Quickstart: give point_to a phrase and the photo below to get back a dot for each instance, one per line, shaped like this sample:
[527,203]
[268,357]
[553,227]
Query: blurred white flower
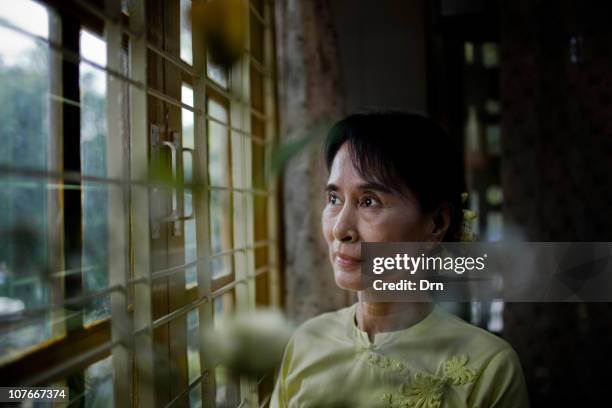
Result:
[250,343]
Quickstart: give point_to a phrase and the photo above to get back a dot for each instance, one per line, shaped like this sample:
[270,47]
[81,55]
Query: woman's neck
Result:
[385,317]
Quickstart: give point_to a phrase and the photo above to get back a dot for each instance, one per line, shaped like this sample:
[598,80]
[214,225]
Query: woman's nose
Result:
[345,229]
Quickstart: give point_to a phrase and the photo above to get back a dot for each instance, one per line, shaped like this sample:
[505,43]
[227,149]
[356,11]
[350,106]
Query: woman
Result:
[393,177]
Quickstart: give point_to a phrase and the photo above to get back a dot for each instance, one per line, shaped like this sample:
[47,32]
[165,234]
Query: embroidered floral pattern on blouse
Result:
[457,372]
[387,363]
[424,390]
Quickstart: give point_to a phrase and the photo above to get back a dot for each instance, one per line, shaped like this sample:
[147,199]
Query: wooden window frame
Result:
[102,338]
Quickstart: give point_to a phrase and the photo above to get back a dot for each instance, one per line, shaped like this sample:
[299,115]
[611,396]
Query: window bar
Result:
[111,19]
[77,179]
[259,17]
[117,210]
[71,133]
[56,371]
[201,198]
[177,62]
[139,197]
[185,392]
[55,246]
[270,129]
[241,118]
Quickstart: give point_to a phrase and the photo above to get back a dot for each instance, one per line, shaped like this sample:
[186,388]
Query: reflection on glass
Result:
[92,83]
[496,319]
[493,134]
[256,38]
[468,52]
[223,306]
[492,106]
[195,397]
[24,133]
[472,128]
[187,118]
[257,95]
[220,231]
[226,385]
[494,195]
[216,72]
[495,224]
[475,206]
[490,55]
[186,48]
[191,273]
[193,348]
[259,152]
[218,145]
[99,384]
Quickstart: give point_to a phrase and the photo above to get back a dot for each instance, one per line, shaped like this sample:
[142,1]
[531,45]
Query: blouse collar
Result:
[361,337]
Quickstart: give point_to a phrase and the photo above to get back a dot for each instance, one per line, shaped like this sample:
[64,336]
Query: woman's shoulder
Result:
[466,336]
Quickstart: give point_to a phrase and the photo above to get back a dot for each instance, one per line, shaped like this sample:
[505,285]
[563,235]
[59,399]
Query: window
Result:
[25,104]
[135,206]
[92,85]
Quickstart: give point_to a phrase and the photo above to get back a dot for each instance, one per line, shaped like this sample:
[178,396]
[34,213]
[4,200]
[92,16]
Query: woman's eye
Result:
[333,199]
[369,202]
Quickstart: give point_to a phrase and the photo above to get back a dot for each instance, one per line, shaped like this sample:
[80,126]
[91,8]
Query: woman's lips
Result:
[346,261]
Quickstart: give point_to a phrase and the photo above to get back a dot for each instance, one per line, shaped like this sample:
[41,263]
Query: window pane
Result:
[186,48]
[218,145]
[256,38]
[258,150]
[99,384]
[92,83]
[191,254]
[220,231]
[226,384]
[193,349]
[25,71]
[216,72]
[187,120]
[257,96]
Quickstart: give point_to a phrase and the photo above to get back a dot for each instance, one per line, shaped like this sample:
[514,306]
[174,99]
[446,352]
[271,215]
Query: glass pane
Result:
[223,306]
[193,348]
[216,72]
[220,230]
[259,153]
[92,83]
[99,384]
[493,135]
[262,294]
[495,225]
[219,167]
[191,254]
[257,97]
[195,397]
[256,38]
[187,118]
[25,71]
[186,48]
[490,55]
[226,384]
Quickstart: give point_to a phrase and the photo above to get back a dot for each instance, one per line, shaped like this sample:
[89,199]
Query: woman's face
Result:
[359,210]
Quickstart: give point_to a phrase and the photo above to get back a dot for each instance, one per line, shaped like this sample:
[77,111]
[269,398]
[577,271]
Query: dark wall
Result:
[556,91]
[381,49]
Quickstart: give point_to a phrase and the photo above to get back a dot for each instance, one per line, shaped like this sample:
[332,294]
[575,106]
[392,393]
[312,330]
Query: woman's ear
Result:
[440,220]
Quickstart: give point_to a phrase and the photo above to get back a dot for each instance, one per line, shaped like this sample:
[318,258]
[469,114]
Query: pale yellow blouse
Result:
[441,361]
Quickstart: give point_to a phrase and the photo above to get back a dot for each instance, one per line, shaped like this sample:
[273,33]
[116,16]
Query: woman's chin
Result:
[348,280]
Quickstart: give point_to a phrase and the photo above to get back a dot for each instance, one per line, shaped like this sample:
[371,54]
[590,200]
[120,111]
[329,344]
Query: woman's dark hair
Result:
[402,150]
